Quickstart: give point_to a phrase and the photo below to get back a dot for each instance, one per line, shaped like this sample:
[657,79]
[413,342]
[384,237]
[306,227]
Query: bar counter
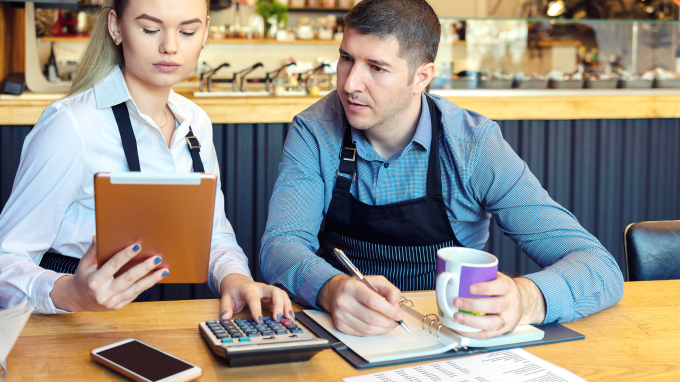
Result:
[499,105]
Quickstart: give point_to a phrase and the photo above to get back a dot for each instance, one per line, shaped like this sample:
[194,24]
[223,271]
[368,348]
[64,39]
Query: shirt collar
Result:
[422,136]
[113,90]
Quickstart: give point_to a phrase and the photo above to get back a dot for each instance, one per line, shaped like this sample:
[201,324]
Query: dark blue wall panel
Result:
[608,173]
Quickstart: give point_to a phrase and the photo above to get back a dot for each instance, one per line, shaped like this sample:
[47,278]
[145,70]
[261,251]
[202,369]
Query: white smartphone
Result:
[144,363]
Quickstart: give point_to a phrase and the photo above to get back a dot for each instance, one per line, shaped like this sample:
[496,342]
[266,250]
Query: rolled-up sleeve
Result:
[287,257]
[579,276]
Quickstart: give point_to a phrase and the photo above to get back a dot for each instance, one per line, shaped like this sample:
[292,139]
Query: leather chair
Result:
[652,250]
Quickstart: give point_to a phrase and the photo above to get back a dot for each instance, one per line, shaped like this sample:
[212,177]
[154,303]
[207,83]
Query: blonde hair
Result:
[101,53]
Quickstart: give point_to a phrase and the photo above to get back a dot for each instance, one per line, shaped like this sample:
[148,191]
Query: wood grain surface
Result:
[283,109]
[635,340]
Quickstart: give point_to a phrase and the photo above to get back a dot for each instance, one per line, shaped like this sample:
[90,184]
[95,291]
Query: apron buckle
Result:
[354,154]
[354,176]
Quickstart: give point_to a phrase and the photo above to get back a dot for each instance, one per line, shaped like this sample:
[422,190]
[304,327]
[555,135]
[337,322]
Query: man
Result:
[416,173]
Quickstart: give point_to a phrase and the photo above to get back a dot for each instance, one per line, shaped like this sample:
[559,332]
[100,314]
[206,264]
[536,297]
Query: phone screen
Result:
[145,361]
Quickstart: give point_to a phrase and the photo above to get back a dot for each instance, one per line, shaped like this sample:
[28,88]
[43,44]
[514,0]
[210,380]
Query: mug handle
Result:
[442,280]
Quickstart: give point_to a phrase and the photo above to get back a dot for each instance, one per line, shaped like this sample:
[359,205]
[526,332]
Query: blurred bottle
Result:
[237,23]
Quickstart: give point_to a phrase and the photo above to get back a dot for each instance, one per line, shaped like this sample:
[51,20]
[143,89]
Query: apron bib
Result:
[399,240]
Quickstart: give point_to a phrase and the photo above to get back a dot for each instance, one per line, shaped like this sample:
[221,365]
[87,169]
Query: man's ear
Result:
[422,77]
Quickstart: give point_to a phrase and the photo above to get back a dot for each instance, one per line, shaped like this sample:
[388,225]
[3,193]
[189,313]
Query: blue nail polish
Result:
[224,315]
[166,273]
[158,260]
[280,317]
[136,248]
[259,319]
[291,313]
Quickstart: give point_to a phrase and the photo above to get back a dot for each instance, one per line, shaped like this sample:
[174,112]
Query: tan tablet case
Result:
[170,215]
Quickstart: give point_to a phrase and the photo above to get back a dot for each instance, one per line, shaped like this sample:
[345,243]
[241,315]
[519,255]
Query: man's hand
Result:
[237,290]
[518,301]
[356,309]
[97,290]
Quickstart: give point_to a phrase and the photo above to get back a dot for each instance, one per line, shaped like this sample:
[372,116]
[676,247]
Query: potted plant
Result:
[269,8]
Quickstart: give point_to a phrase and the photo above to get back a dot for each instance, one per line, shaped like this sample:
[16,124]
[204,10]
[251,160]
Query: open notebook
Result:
[428,336]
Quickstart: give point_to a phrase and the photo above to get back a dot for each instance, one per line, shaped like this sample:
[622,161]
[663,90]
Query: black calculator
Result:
[244,342]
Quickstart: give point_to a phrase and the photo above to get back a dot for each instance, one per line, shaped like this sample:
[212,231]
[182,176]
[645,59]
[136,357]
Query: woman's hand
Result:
[237,290]
[92,289]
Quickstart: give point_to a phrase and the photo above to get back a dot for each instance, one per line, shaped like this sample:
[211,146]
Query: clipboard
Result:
[170,215]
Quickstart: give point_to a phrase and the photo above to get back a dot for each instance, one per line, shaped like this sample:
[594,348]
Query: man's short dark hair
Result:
[412,22]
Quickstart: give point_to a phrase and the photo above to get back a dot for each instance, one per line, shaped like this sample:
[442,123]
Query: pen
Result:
[355,272]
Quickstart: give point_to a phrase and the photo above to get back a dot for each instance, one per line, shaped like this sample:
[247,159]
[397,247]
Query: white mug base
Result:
[455,325]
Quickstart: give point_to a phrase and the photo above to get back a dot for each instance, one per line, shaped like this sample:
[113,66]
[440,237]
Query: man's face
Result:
[372,80]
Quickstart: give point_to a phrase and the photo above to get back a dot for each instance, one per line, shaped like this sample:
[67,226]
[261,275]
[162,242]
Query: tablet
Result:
[170,215]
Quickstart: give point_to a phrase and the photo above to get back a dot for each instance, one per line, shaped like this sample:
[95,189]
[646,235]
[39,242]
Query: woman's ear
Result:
[207,28]
[114,28]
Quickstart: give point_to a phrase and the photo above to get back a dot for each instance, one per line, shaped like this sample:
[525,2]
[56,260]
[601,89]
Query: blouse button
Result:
[387,165]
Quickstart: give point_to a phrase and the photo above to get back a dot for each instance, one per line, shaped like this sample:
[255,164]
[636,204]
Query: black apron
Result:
[65,264]
[399,240]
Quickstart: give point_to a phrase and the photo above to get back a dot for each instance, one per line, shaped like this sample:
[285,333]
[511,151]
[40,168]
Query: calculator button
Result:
[244,339]
[237,335]
[298,330]
[250,331]
[220,336]
[291,326]
[211,322]
[234,331]
[227,340]
[281,332]
[267,333]
[253,334]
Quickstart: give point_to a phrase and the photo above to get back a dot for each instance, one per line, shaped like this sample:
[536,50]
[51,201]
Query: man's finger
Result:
[489,323]
[359,327]
[375,302]
[367,312]
[482,305]
[385,288]
[501,286]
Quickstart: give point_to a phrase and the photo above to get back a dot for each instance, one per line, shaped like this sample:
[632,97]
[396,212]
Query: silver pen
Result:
[357,274]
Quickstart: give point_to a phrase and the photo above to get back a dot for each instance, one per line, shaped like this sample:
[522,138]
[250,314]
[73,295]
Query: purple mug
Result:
[457,269]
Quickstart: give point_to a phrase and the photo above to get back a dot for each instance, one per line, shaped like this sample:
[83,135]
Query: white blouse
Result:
[51,207]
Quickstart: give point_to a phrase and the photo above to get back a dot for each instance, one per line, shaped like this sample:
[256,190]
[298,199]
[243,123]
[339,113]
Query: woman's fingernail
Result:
[279,317]
[224,316]
[474,289]
[291,314]
[259,319]
[136,248]
[166,273]
[158,260]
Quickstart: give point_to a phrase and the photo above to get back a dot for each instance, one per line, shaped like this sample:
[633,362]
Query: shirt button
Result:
[387,165]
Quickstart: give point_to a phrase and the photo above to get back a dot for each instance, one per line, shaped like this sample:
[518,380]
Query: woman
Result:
[138,51]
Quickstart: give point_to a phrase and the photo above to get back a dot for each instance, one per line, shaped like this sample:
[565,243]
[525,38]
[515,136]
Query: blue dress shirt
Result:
[481,177]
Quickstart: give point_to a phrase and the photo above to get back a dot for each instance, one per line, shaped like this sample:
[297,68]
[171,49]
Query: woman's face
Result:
[161,39]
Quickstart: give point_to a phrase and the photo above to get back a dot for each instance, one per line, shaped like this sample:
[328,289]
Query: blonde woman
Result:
[120,102]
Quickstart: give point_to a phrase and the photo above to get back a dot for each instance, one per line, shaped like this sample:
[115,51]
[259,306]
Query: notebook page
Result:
[516,365]
[394,345]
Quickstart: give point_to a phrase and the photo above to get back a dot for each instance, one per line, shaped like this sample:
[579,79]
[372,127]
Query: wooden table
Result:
[637,339]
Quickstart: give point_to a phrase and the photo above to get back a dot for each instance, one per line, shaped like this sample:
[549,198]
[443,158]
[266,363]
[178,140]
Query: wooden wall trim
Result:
[283,109]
